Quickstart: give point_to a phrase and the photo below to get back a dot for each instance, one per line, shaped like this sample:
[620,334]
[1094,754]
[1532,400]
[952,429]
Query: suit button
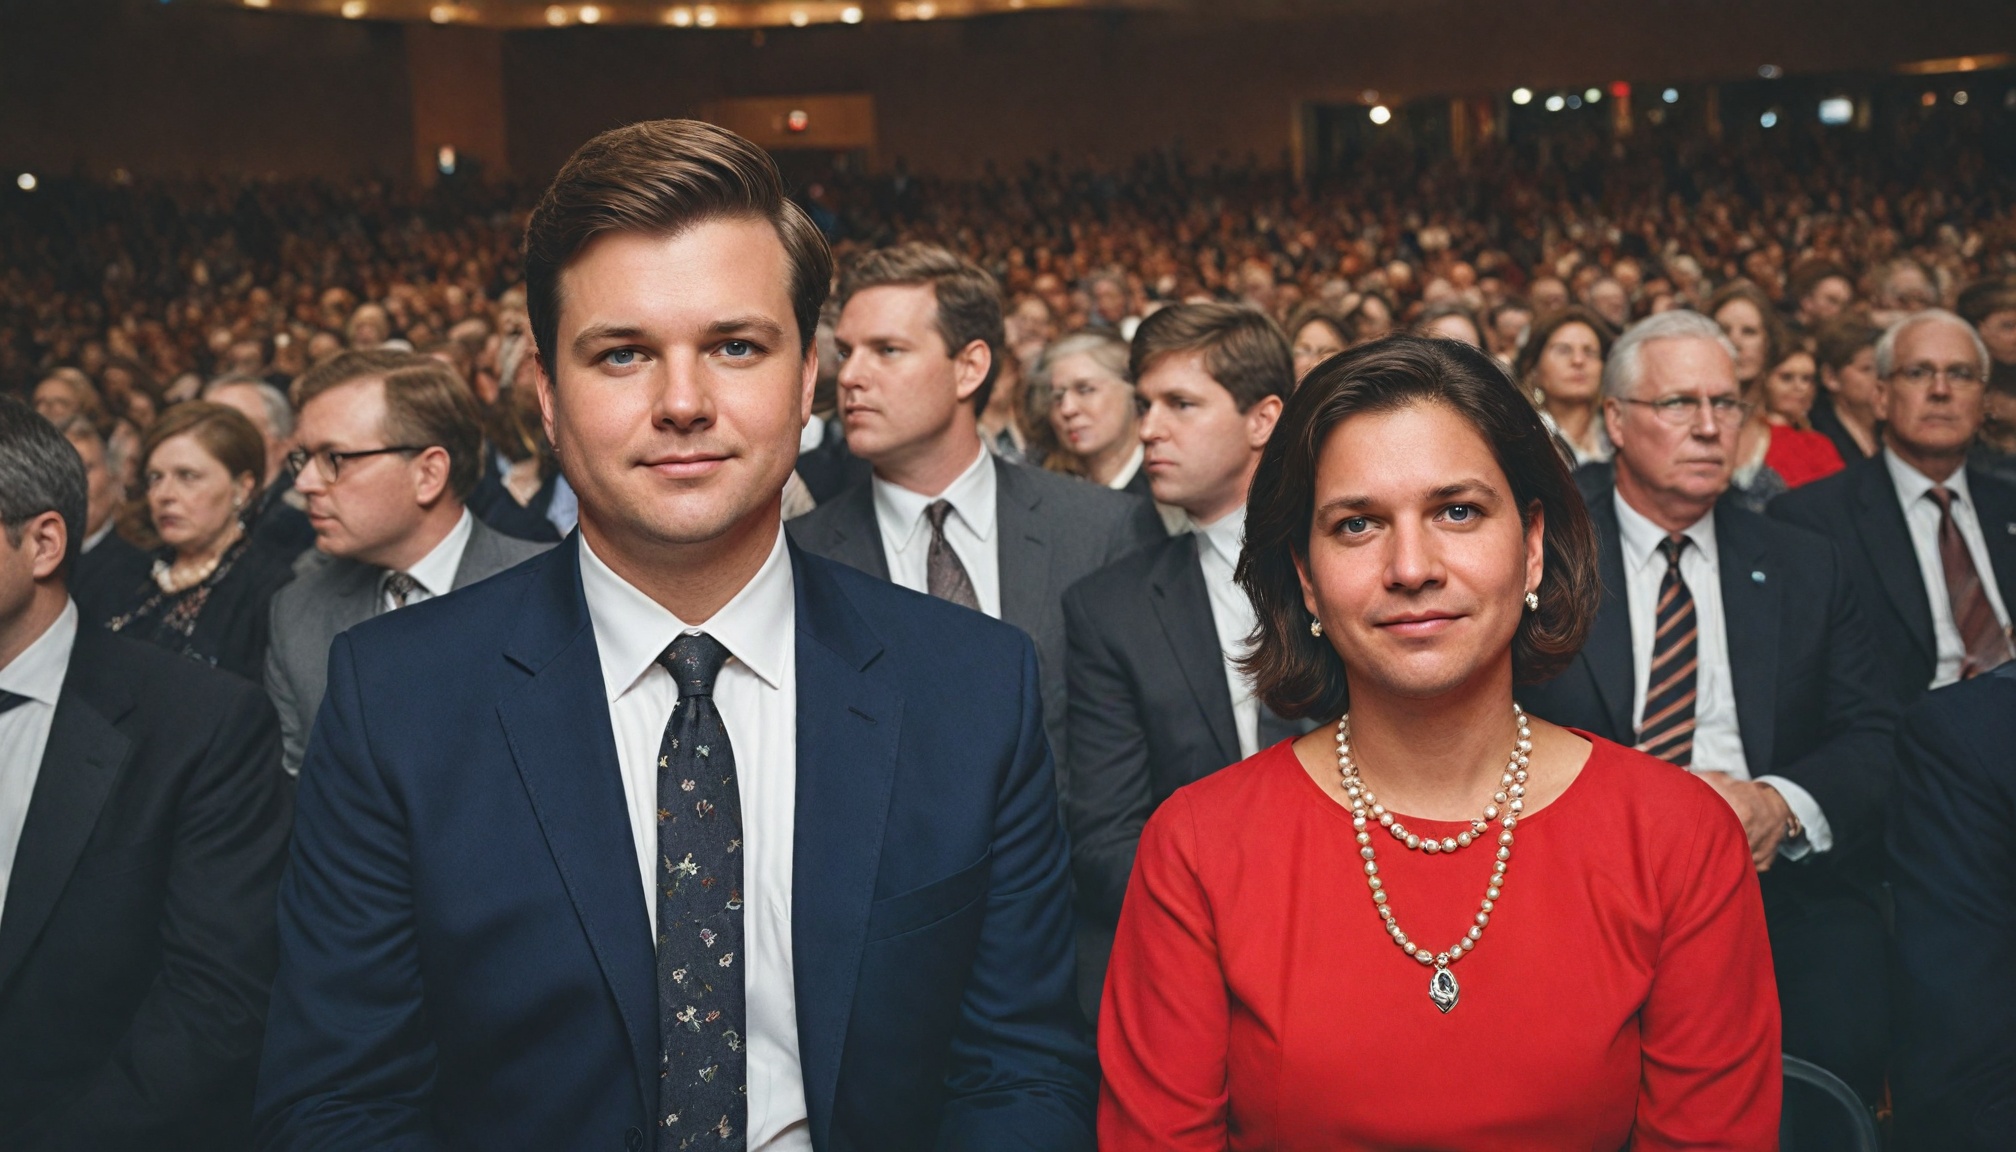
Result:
[633,1139]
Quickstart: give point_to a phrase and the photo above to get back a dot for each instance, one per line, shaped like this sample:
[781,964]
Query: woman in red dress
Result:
[1435,921]
[1785,398]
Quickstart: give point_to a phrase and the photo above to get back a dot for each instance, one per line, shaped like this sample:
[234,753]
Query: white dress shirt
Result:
[1718,742]
[906,533]
[36,673]
[1233,616]
[1921,516]
[1125,476]
[757,694]
[98,537]
[434,574]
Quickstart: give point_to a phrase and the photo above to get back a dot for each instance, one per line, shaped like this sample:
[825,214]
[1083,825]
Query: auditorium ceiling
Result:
[683,14]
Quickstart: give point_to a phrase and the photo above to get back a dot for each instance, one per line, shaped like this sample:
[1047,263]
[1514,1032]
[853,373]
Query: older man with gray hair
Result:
[1733,647]
[1929,542]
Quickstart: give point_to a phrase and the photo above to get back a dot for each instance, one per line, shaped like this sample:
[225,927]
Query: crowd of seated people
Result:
[1783,380]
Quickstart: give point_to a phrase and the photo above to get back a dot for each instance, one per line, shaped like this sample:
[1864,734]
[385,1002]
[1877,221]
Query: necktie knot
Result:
[1671,547]
[10,701]
[936,512]
[400,587]
[1942,496]
[694,660]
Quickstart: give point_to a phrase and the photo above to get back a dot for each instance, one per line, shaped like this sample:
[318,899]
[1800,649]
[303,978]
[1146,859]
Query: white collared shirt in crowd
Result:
[1718,741]
[906,534]
[434,575]
[1921,516]
[1125,476]
[98,537]
[757,694]
[37,673]
[1232,615]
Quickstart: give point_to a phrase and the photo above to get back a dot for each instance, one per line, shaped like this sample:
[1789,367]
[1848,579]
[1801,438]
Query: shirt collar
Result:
[632,630]
[1225,534]
[98,537]
[1640,537]
[436,571]
[38,671]
[1125,476]
[1912,485]
[971,497]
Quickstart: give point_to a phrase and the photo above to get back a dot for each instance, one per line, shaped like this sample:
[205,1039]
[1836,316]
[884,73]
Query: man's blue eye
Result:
[1354,524]
[738,348]
[1461,512]
[622,357]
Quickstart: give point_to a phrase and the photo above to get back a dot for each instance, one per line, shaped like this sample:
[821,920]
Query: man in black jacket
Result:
[1155,699]
[1734,647]
[143,823]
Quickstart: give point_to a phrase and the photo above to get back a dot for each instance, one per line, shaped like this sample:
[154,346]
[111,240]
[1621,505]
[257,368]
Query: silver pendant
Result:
[1442,989]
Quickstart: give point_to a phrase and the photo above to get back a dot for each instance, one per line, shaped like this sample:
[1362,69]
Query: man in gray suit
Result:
[920,338]
[390,448]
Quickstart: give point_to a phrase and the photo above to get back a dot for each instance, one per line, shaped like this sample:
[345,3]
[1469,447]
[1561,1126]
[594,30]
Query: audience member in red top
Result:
[1785,393]
[1415,547]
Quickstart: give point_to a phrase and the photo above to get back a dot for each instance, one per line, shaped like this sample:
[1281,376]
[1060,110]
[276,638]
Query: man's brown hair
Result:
[1839,341]
[969,300]
[426,404]
[662,177]
[1244,351]
[1301,675]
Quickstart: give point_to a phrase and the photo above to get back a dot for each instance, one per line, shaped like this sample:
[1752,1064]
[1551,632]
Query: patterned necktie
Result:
[10,701]
[1986,644]
[1668,728]
[703,1080]
[400,587]
[944,576]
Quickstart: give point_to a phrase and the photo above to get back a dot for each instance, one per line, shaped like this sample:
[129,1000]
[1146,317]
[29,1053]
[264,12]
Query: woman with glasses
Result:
[1091,409]
[211,584]
[1561,368]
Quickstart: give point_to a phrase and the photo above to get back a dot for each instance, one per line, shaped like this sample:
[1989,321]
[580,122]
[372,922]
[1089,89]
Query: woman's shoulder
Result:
[1653,797]
[1232,797]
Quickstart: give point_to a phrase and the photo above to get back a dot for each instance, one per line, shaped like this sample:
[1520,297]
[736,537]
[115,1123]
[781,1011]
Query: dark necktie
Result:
[703,1081]
[1986,644]
[400,587]
[944,576]
[10,701]
[1668,728]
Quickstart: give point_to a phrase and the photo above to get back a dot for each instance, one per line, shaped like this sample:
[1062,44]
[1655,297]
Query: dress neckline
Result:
[1315,790]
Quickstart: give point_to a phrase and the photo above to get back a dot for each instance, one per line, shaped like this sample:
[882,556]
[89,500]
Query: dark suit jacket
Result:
[101,580]
[1808,704]
[1051,532]
[136,947]
[329,595]
[1150,710]
[1953,868]
[466,959]
[1858,510]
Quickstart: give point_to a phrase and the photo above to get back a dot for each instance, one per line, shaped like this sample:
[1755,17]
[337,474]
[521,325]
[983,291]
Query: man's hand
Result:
[1764,813]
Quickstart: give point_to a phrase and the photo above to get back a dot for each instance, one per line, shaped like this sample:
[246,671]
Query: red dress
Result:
[1801,456]
[1621,995]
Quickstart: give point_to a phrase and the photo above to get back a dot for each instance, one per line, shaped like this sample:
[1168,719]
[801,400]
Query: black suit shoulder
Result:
[1094,502]
[109,671]
[917,627]
[1828,499]
[1127,579]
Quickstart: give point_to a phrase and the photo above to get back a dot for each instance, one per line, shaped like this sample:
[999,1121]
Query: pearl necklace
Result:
[1365,811]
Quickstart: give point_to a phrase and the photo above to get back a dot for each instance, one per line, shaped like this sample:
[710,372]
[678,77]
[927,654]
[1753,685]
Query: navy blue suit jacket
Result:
[466,960]
[1953,867]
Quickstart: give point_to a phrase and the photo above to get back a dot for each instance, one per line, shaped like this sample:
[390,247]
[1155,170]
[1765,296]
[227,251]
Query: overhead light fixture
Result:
[441,13]
[1380,114]
[1620,89]
[1770,71]
[926,10]
[590,14]
[1670,95]
[1592,95]
[1928,99]
[258,3]
[26,182]
[556,15]
[1555,103]
[1960,97]
[444,159]
[1769,119]
[705,16]
[850,15]
[1522,96]
[679,17]
[1574,101]
[799,19]
[1837,110]
[354,9]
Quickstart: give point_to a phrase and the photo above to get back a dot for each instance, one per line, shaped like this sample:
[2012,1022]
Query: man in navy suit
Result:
[677,837]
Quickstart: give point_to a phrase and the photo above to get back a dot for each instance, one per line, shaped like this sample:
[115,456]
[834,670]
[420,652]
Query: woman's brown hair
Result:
[1543,330]
[221,430]
[1300,675]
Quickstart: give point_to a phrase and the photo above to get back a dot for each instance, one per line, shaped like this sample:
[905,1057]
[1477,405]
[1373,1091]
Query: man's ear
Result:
[47,538]
[969,367]
[543,381]
[808,384]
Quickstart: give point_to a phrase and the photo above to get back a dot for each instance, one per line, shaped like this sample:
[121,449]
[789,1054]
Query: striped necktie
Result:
[1667,730]
[1982,635]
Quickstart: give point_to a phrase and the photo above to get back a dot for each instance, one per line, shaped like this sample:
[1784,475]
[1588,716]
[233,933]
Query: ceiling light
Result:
[1960,97]
[354,9]
[444,159]
[799,19]
[1555,103]
[1837,110]
[679,17]
[1522,95]
[1770,71]
[926,10]
[850,15]
[1592,95]
[556,15]
[26,181]
[705,16]
[590,14]
[1574,101]
[1670,95]
[1769,119]
[258,3]
[1380,114]
[441,13]
[1929,99]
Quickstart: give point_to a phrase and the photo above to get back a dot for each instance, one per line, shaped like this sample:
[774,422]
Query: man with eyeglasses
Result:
[1733,647]
[1929,542]
[390,450]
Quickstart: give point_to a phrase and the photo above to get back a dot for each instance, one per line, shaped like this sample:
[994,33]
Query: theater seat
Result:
[1823,1114]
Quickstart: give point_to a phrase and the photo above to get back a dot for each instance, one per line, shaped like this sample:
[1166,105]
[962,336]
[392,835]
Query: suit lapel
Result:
[1995,508]
[557,725]
[855,537]
[80,765]
[1751,587]
[1887,542]
[1608,649]
[479,557]
[848,729]
[1022,552]
[1183,606]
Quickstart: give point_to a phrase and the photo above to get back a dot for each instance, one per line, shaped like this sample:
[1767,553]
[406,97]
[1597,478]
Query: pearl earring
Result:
[1532,601]
[1315,628]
